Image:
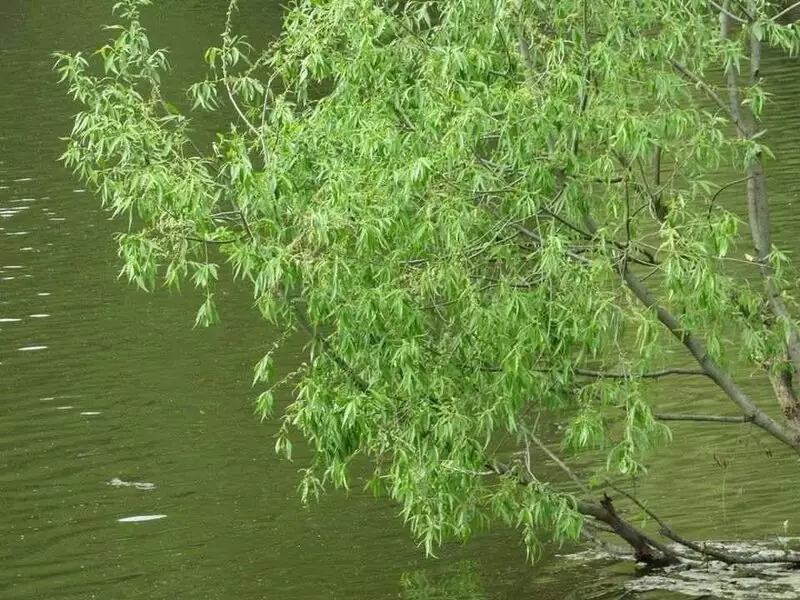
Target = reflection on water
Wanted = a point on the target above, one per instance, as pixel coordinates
(141, 518)
(462, 581)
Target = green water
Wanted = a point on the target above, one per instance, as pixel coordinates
(99, 381)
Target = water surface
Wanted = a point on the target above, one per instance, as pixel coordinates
(131, 463)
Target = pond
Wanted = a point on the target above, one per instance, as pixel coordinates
(132, 464)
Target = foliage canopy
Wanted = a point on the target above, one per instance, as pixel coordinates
(479, 211)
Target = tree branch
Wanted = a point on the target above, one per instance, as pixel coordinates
(645, 548)
(698, 351)
(727, 12)
(646, 375)
(561, 464)
(689, 76)
(701, 418)
(758, 216)
(785, 11)
(359, 382)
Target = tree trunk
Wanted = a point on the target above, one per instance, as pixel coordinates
(758, 217)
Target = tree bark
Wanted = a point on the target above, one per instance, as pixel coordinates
(645, 549)
(721, 377)
(758, 217)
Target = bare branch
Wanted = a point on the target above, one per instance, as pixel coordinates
(785, 11)
(561, 464)
(688, 75)
(637, 502)
(728, 13)
(701, 418)
(646, 375)
(722, 189)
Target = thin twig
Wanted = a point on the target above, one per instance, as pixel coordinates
(785, 11)
(722, 189)
(562, 465)
(204, 241)
(646, 375)
(725, 11)
(637, 502)
(711, 93)
(226, 44)
(702, 418)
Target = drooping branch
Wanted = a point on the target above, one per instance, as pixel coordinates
(646, 549)
(358, 381)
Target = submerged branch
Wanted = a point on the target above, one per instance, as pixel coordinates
(786, 556)
(705, 550)
(645, 548)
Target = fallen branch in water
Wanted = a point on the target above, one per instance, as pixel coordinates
(786, 556)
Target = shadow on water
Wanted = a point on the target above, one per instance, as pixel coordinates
(131, 464)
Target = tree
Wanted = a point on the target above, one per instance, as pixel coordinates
(485, 216)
